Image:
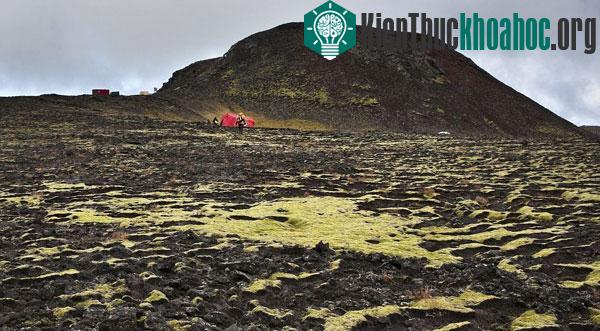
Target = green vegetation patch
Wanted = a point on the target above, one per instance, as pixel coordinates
(156, 296)
(512, 245)
(528, 213)
(275, 281)
(329, 219)
(532, 320)
(544, 253)
(271, 312)
(595, 315)
(593, 278)
(581, 196)
(460, 304)
(454, 326)
(62, 312)
(350, 319)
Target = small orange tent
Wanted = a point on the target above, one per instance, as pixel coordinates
(230, 120)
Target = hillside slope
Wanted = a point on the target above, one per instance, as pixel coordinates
(275, 78)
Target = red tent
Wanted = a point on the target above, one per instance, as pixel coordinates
(230, 119)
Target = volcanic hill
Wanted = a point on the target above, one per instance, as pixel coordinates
(272, 76)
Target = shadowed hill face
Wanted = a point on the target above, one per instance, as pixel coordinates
(273, 76)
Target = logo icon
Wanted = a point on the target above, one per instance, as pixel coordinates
(330, 30)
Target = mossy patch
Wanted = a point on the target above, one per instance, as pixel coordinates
(592, 279)
(271, 312)
(489, 214)
(529, 213)
(581, 196)
(68, 272)
(62, 312)
(57, 186)
(508, 266)
(532, 320)
(274, 281)
(351, 319)
(88, 303)
(321, 313)
(100, 291)
(156, 296)
(544, 253)
(454, 326)
(460, 304)
(441, 80)
(262, 284)
(595, 316)
(329, 219)
(177, 325)
(512, 245)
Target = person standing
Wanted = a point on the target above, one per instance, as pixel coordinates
(241, 122)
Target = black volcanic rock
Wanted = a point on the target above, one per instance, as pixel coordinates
(274, 77)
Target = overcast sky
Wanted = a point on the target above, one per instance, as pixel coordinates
(72, 46)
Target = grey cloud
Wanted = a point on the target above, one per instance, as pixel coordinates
(72, 46)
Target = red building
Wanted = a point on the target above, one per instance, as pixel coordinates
(101, 92)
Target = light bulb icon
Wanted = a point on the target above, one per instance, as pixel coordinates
(330, 28)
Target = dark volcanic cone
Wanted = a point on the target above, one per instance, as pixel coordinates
(282, 83)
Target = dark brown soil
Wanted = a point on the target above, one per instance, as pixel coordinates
(134, 167)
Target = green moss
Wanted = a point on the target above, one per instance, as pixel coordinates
(84, 216)
(352, 318)
(508, 266)
(544, 253)
(148, 276)
(31, 200)
(68, 272)
(595, 315)
(250, 249)
(104, 291)
(228, 74)
(272, 312)
(441, 80)
(365, 101)
(274, 281)
(322, 314)
(528, 213)
(261, 284)
(335, 265)
(177, 325)
(114, 304)
(157, 296)
(146, 306)
(87, 303)
(60, 313)
(197, 300)
(364, 87)
(460, 304)
(592, 279)
(517, 243)
(495, 233)
(532, 320)
(454, 326)
(57, 187)
(581, 196)
(329, 219)
(322, 97)
(489, 214)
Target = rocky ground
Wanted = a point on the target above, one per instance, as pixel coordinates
(122, 224)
